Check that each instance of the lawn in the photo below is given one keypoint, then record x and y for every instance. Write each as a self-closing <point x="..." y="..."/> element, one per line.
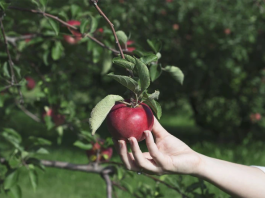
<point x="55" y="183"/>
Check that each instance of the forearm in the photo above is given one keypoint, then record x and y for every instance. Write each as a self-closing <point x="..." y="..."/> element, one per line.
<point x="235" y="179"/>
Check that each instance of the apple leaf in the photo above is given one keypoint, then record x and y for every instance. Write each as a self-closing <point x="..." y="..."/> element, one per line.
<point x="122" y="36"/>
<point x="175" y="72"/>
<point x="81" y="145"/>
<point x="143" y="73"/>
<point x="156" y="45"/>
<point x="154" y="95"/>
<point x="123" y="63"/>
<point x="94" y="24"/>
<point x="126" y="81"/>
<point x="149" y="59"/>
<point x="11" y="179"/>
<point x="83" y="26"/>
<point x="155" y="71"/>
<point x="101" y="110"/>
<point x="107" y="63"/>
<point x="54" y="25"/>
<point x="155" y="106"/>
<point x="57" y="51"/>
<point x="130" y="58"/>
<point x="33" y="177"/>
<point x="15" y="192"/>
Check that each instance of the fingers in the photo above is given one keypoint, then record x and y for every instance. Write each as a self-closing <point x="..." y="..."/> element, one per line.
<point x="158" y="130"/>
<point x="152" y="148"/>
<point x="126" y="157"/>
<point x="140" y="159"/>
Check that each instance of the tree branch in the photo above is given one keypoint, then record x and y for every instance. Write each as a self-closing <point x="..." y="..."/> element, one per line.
<point x="113" y="31"/>
<point x="66" y="24"/>
<point x="27" y="112"/>
<point x="11" y="64"/>
<point x="105" y="175"/>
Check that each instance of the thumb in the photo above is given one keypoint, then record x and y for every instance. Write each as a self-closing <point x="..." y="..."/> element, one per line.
<point x="158" y="130"/>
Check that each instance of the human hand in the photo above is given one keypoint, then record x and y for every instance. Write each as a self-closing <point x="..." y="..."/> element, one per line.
<point x="167" y="155"/>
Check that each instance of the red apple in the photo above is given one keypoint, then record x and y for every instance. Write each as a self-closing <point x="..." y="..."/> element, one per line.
<point x="227" y="31"/>
<point x="175" y="26"/>
<point x="58" y="119"/>
<point x="255" y="117"/>
<point x="105" y="154"/>
<point x="77" y="36"/>
<point x="100" y="30"/>
<point x="30" y="83"/>
<point x="124" y="121"/>
<point x="130" y="49"/>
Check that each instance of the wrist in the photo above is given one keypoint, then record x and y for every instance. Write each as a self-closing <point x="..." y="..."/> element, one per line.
<point x="201" y="168"/>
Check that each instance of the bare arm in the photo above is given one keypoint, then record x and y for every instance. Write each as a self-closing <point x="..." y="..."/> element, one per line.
<point x="169" y="155"/>
<point x="235" y="179"/>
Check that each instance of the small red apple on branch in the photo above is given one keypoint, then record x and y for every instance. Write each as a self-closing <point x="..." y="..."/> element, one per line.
<point x="77" y="36"/>
<point x="99" y="153"/>
<point x="57" y="118"/>
<point x="30" y="83"/>
<point x="130" y="117"/>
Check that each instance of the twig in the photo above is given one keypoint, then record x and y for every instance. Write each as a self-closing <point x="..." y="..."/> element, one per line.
<point x="105" y="175"/>
<point x="27" y="112"/>
<point x="123" y="189"/>
<point x="113" y="31"/>
<point x="112" y="27"/>
<point x="166" y="184"/>
<point x="13" y="40"/>
<point x="66" y="24"/>
<point x="11" y="64"/>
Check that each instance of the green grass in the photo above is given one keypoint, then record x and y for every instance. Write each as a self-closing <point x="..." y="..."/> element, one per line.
<point x="56" y="183"/>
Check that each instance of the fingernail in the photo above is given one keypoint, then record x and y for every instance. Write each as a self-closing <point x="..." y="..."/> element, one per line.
<point x="130" y="140"/>
<point x="146" y="133"/>
<point x="120" y="143"/>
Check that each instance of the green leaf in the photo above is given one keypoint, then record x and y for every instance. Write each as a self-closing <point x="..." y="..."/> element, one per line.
<point x="155" y="106"/>
<point x="141" y="53"/>
<point x="33" y="177"/>
<point x="4" y="5"/>
<point x="5" y="70"/>
<point x="57" y="50"/>
<point x="42" y="151"/>
<point x="130" y="58"/>
<point x="101" y="110"/>
<point x="17" y="69"/>
<point x="175" y="72"/>
<point x="11" y="179"/>
<point x="128" y="187"/>
<point x="148" y="59"/>
<point x="93" y="24"/>
<point x="15" y="192"/>
<point x="81" y="145"/>
<point x="3" y="171"/>
<point x="83" y="25"/>
<point x="154" y="95"/>
<point x="126" y="81"/>
<point x="107" y="63"/>
<point x="123" y="63"/>
<point x="143" y="73"/>
<point x="37" y="141"/>
<point x="155" y="71"/>
<point x="43" y="3"/>
<point x="13" y="134"/>
<point x="74" y="10"/>
<point x="156" y="45"/>
<point x="122" y="37"/>
<point x="55" y="26"/>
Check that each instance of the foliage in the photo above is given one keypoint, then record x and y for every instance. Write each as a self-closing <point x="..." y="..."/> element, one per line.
<point x="218" y="45"/>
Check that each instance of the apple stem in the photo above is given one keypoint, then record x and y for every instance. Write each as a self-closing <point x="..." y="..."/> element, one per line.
<point x="126" y="103"/>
